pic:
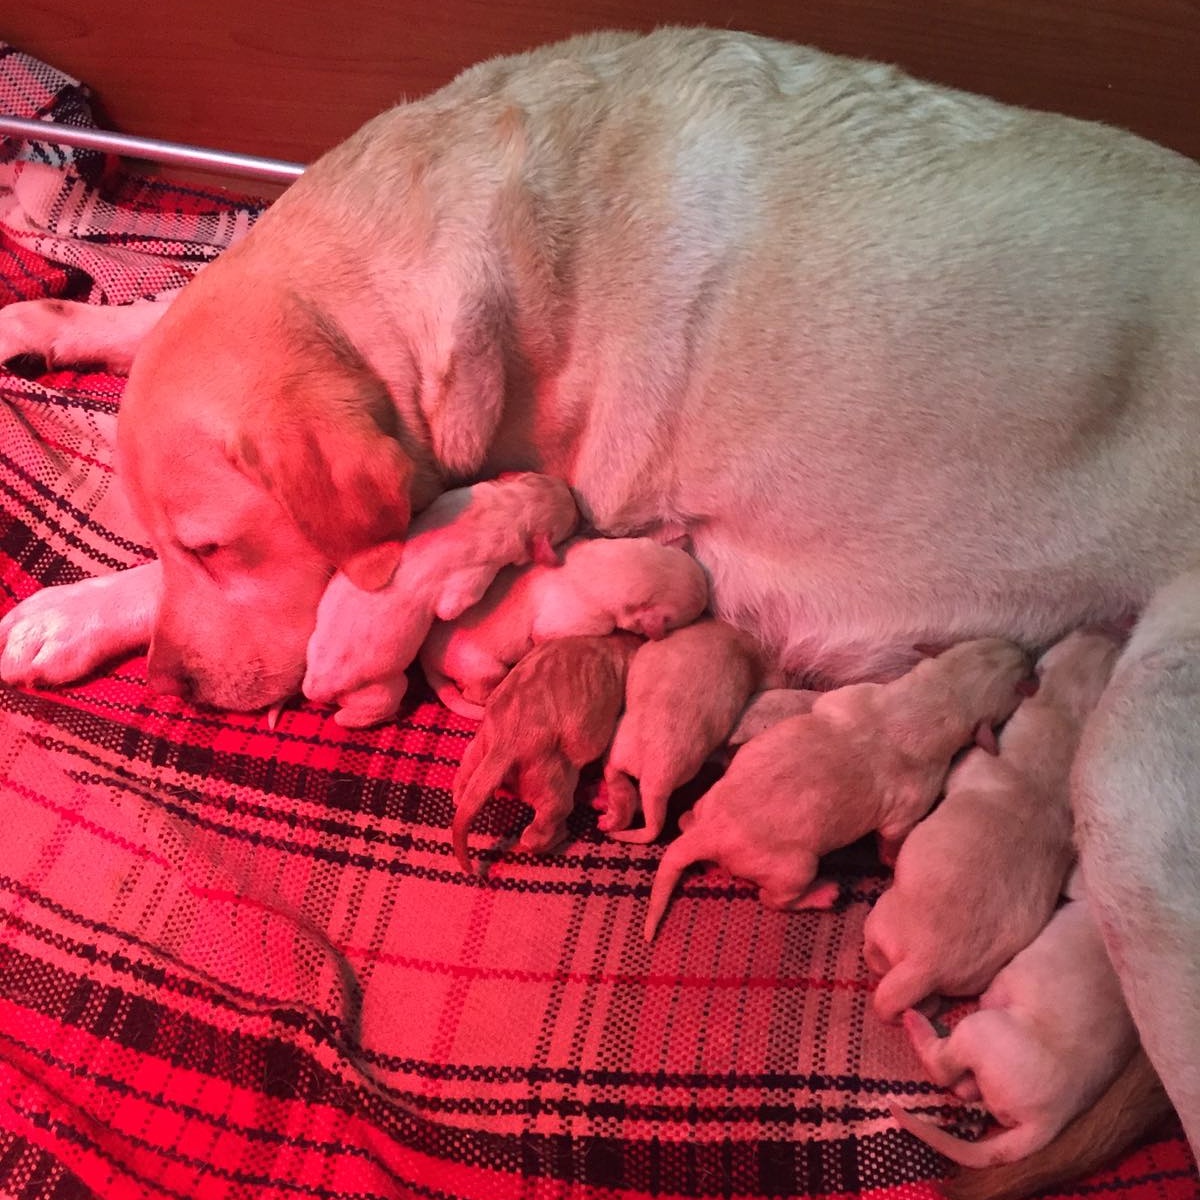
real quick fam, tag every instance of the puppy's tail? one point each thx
(635, 837)
(654, 813)
(1133, 1107)
(690, 847)
(987, 1152)
(901, 988)
(481, 772)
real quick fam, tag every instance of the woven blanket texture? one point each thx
(242, 963)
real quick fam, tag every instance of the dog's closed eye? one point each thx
(205, 554)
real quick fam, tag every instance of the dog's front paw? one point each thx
(62, 633)
(64, 331)
(33, 328)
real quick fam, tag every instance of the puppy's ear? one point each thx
(466, 395)
(334, 468)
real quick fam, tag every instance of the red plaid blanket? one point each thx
(237, 962)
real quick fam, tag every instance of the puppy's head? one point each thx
(985, 676)
(1075, 671)
(260, 454)
(653, 589)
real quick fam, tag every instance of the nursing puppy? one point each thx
(978, 879)
(682, 697)
(1133, 1107)
(553, 714)
(1051, 1034)
(770, 707)
(870, 757)
(972, 411)
(603, 584)
(364, 641)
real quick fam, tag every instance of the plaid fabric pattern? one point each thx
(116, 236)
(242, 963)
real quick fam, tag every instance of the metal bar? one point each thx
(248, 166)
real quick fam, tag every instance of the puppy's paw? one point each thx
(63, 331)
(542, 835)
(618, 802)
(62, 633)
(371, 705)
(464, 588)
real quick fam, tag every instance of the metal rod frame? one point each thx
(225, 162)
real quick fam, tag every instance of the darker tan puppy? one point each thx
(553, 714)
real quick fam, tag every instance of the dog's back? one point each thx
(823, 185)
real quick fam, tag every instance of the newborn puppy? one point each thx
(603, 584)
(683, 695)
(768, 708)
(554, 713)
(364, 641)
(1051, 1033)
(979, 878)
(867, 757)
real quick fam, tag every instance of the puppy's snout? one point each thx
(652, 625)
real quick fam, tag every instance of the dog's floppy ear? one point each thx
(320, 446)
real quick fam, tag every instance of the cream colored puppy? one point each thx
(870, 757)
(1051, 1034)
(972, 410)
(979, 878)
(364, 641)
(603, 584)
(683, 695)
(768, 708)
(554, 713)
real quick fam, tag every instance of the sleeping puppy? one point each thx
(553, 714)
(364, 641)
(979, 878)
(603, 584)
(768, 708)
(683, 695)
(1051, 1033)
(972, 410)
(867, 757)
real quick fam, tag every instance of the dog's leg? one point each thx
(65, 332)
(1136, 796)
(62, 633)
(548, 784)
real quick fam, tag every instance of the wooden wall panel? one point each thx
(288, 78)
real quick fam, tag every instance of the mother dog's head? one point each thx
(262, 454)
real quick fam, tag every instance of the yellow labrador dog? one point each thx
(906, 365)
